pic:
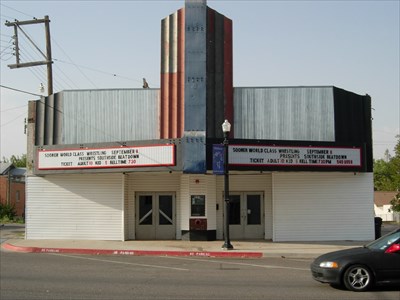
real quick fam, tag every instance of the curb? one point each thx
(217, 254)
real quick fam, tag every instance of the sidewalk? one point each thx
(242, 249)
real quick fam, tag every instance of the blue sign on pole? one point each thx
(218, 159)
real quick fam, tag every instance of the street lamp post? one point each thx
(226, 128)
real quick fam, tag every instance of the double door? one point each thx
(246, 216)
(155, 216)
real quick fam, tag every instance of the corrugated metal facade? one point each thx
(172, 75)
(279, 113)
(94, 116)
(196, 71)
(272, 113)
(323, 206)
(76, 206)
(219, 90)
(195, 65)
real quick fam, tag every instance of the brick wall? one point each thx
(17, 196)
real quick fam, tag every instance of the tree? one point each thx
(387, 171)
(395, 202)
(17, 161)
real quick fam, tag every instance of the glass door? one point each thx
(246, 216)
(155, 216)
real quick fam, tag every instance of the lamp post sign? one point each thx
(218, 159)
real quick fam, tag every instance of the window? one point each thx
(17, 196)
(198, 205)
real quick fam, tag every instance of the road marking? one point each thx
(119, 262)
(300, 259)
(240, 264)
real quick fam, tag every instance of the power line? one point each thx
(16, 118)
(71, 62)
(59, 48)
(5, 48)
(17, 90)
(6, 35)
(79, 67)
(12, 108)
(16, 10)
(36, 72)
(66, 76)
(98, 71)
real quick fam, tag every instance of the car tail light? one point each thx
(393, 249)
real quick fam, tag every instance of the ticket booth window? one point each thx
(198, 205)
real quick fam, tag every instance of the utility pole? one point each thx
(48, 60)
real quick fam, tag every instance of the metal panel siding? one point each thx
(58, 119)
(40, 121)
(194, 153)
(181, 73)
(288, 113)
(172, 77)
(212, 91)
(353, 121)
(164, 103)
(323, 206)
(85, 207)
(219, 72)
(195, 65)
(228, 72)
(49, 120)
(93, 116)
(173, 113)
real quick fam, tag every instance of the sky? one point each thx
(353, 45)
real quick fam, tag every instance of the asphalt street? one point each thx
(72, 276)
(64, 276)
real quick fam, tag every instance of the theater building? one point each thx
(136, 164)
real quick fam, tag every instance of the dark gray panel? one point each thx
(194, 153)
(195, 66)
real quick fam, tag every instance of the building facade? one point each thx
(12, 187)
(145, 163)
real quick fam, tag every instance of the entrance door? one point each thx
(246, 218)
(155, 216)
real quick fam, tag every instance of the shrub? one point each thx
(7, 211)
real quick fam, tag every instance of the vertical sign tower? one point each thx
(196, 79)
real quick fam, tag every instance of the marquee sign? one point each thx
(247, 155)
(117, 157)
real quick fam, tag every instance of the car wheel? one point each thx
(357, 278)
